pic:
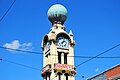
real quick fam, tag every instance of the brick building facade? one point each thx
(109, 74)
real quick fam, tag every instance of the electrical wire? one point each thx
(71, 56)
(21, 50)
(95, 57)
(99, 55)
(7, 10)
(57, 55)
(19, 64)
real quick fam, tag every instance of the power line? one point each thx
(8, 10)
(19, 64)
(71, 56)
(21, 50)
(57, 55)
(99, 54)
(95, 57)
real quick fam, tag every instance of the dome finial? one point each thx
(57, 14)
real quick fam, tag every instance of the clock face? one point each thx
(47, 45)
(62, 42)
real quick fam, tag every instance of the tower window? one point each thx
(49, 77)
(59, 77)
(46, 77)
(59, 57)
(65, 58)
(66, 77)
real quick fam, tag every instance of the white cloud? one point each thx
(17, 45)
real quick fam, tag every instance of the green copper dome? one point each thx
(57, 13)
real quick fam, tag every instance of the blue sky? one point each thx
(95, 25)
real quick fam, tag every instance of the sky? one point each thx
(94, 23)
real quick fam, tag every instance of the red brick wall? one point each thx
(113, 71)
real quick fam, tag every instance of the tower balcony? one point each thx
(46, 70)
(65, 69)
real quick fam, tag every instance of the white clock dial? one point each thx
(62, 42)
(47, 46)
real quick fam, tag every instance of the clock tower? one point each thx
(58, 48)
